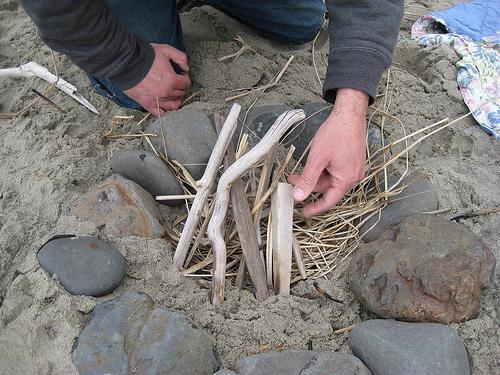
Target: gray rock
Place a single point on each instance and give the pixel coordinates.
(120, 207)
(424, 269)
(83, 265)
(259, 120)
(225, 372)
(189, 138)
(316, 114)
(388, 347)
(419, 196)
(304, 362)
(130, 334)
(149, 171)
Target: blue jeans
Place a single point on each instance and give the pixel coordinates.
(157, 21)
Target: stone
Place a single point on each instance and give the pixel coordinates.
(258, 121)
(130, 334)
(419, 196)
(304, 362)
(424, 269)
(316, 114)
(189, 138)
(389, 347)
(83, 265)
(225, 372)
(149, 171)
(120, 207)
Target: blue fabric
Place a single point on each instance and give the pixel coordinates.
(477, 19)
(292, 21)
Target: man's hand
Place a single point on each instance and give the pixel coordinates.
(162, 81)
(336, 161)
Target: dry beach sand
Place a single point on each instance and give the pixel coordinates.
(48, 159)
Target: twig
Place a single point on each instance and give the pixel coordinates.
(343, 330)
(273, 83)
(205, 185)
(471, 214)
(174, 197)
(48, 100)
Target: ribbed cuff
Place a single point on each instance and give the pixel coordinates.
(354, 67)
(142, 62)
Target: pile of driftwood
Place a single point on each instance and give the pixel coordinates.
(263, 235)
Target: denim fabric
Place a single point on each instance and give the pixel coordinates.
(157, 21)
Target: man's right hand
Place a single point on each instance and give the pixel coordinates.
(162, 81)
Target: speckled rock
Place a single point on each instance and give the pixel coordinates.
(149, 171)
(389, 347)
(259, 120)
(83, 265)
(419, 196)
(304, 362)
(120, 207)
(189, 138)
(424, 269)
(130, 334)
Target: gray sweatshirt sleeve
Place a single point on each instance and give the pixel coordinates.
(363, 34)
(92, 37)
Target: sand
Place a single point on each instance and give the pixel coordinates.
(48, 159)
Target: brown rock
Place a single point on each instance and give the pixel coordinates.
(120, 207)
(425, 269)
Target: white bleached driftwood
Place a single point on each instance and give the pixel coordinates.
(242, 165)
(205, 185)
(282, 225)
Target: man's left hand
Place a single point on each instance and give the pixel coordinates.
(337, 158)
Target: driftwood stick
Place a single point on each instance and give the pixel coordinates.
(205, 185)
(297, 253)
(282, 224)
(471, 214)
(241, 275)
(264, 180)
(272, 137)
(244, 225)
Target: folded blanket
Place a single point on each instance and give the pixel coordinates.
(473, 31)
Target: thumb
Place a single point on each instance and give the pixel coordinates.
(305, 182)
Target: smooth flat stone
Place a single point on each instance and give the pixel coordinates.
(425, 269)
(419, 196)
(304, 362)
(389, 347)
(189, 138)
(83, 265)
(131, 334)
(120, 207)
(149, 171)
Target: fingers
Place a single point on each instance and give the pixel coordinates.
(321, 186)
(327, 201)
(173, 54)
(180, 82)
(164, 105)
(305, 183)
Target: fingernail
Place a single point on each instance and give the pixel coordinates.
(299, 194)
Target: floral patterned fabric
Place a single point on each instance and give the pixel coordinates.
(478, 71)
